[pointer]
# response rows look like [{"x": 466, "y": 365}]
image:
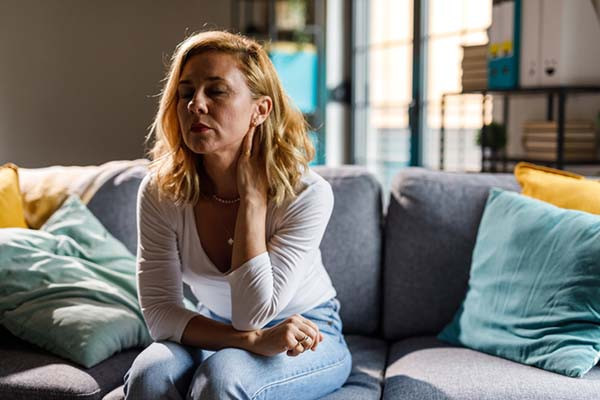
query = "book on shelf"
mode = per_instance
[
  {"x": 566, "y": 39},
  {"x": 549, "y": 155},
  {"x": 552, "y": 146},
  {"x": 475, "y": 52},
  {"x": 474, "y": 74},
  {"x": 552, "y": 136},
  {"x": 552, "y": 126},
  {"x": 478, "y": 64},
  {"x": 474, "y": 84},
  {"x": 540, "y": 140},
  {"x": 474, "y": 68},
  {"x": 504, "y": 44}
]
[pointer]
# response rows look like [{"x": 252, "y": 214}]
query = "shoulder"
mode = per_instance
[
  {"x": 313, "y": 197},
  {"x": 151, "y": 202},
  {"x": 314, "y": 187},
  {"x": 148, "y": 192}
]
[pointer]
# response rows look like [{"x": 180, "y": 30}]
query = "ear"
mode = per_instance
[{"x": 264, "y": 105}]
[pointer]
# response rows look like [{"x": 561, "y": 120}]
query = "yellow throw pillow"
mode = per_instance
[
  {"x": 561, "y": 188},
  {"x": 11, "y": 202},
  {"x": 45, "y": 189}
]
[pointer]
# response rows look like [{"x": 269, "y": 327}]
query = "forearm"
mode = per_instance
[
  {"x": 250, "y": 232},
  {"x": 208, "y": 334}
]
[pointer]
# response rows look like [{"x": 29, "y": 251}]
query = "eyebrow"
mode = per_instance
[{"x": 210, "y": 78}]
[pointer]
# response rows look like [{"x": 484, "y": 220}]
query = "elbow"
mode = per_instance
[
  {"x": 251, "y": 321},
  {"x": 158, "y": 335},
  {"x": 159, "y": 327}
]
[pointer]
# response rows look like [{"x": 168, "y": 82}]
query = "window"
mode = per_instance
[
  {"x": 383, "y": 74},
  {"x": 383, "y": 79},
  {"x": 452, "y": 24}
]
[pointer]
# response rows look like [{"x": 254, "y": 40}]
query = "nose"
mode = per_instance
[{"x": 197, "y": 105}]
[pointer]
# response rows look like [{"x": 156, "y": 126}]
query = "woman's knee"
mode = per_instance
[
  {"x": 163, "y": 370},
  {"x": 221, "y": 376}
]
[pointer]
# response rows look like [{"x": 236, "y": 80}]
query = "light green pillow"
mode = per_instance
[
  {"x": 70, "y": 287},
  {"x": 534, "y": 288}
]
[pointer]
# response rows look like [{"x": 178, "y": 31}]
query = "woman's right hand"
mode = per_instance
[
  {"x": 252, "y": 182},
  {"x": 287, "y": 336}
]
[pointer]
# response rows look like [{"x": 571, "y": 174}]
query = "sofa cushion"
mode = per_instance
[
  {"x": 11, "y": 200},
  {"x": 534, "y": 286},
  {"x": 27, "y": 372},
  {"x": 561, "y": 188},
  {"x": 70, "y": 287},
  {"x": 114, "y": 204},
  {"x": 368, "y": 364},
  {"x": 351, "y": 246},
  {"x": 425, "y": 368},
  {"x": 430, "y": 232}
]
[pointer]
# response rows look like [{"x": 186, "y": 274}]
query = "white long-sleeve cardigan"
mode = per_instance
[{"x": 288, "y": 278}]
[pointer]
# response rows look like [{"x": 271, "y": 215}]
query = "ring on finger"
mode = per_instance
[{"x": 306, "y": 341}]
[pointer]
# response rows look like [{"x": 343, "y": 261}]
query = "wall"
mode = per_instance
[{"x": 79, "y": 79}]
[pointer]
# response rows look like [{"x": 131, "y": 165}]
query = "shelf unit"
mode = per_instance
[
  {"x": 489, "y": 162},
  {"x": 243, "y": 17}
]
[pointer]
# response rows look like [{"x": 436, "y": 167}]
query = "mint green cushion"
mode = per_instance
[
  {"x": 70, "y": 287},
  {"x": 534, "y": 288}
]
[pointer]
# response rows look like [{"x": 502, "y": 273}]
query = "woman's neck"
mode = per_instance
[{"x": 222, "y": 173}]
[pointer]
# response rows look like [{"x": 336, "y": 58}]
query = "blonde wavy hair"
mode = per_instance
[{"x": 283, "y": 135}]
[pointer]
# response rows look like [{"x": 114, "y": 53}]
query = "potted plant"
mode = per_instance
[{"x": 495, "y": 138}]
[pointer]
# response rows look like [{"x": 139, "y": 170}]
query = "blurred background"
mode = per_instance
[{"x": 384, "y": 83}]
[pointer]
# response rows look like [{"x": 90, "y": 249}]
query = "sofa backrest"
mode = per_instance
[
  {"x": 430, "y": 231},
  {"x": 351, "y": 246},
  {"x": 114, "y": 204}
]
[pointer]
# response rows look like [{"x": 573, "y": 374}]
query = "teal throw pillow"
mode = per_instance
[
  {"x": 70, "y": 287},
  {"x": 534, "y": 287}
]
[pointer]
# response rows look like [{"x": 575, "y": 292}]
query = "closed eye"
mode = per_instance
[
  {"x": 185, "y": 94},
  {"x": 216, "y": 92}
]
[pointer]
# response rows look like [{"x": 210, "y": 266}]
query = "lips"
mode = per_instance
[{"x": 199, "y": 127}]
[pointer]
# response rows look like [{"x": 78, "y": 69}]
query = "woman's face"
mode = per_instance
[{"x": 214, "y": 103}]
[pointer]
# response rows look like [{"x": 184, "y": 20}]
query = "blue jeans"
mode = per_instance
[{"x": 168, "y": 370}]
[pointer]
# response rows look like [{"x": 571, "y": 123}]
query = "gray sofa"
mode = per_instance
[{"x": 400, "y": 277}]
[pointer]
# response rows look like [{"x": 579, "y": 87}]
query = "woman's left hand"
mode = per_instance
[
  {"x": 251, "y": 174},
  {"x": 295, "y": 335}
]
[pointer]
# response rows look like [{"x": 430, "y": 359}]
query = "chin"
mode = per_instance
[{"x": 197, "y": 146}]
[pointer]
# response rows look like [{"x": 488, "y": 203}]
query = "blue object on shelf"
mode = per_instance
[
  {"x": 505, "y": 45},
  {"x": 297, "y": 68},
  {"x": 319, "y": 158}
]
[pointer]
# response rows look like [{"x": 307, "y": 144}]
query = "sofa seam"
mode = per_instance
[{"x": 51, "y": 392}]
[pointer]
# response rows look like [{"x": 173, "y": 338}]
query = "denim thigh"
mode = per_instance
[
  {"x": 168, "y": 370},
  {"x": 162, "y": 370},
  {"x": 238, "y": 374}
]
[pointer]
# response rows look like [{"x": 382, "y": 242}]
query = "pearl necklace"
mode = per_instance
[{"x": 225, "y": 201}]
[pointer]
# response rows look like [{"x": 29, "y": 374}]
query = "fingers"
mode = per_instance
[
  {"x": 293, "y": 347},
  {"x": 306, "y": 335},
  {"x": 310, "y": 329},
  {"x": 317, "y": 337},
  {"x": 296, "y": 351},
  {"x": 248, "y": 141}
]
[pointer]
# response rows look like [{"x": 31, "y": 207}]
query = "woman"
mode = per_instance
[{"x": 231, "y": 208}]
